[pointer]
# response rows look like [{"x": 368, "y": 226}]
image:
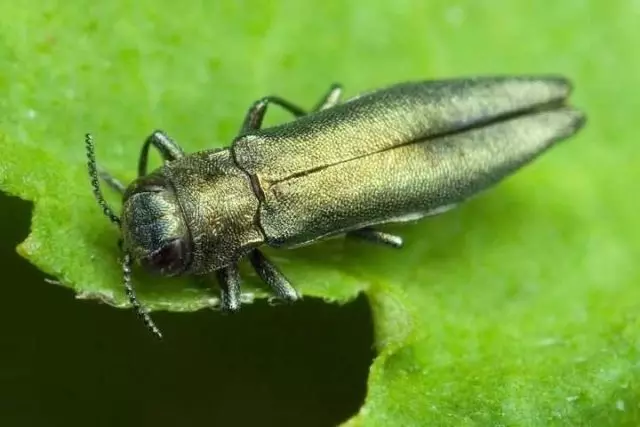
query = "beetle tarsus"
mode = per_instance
[
  {"x": 270, "y": 274},
  {"x": 229, "y": 279},
  {"x": 375, "y": 236},
  {"x": 168, "y": 148}
]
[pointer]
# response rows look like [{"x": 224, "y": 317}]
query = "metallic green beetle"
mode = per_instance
[{"x": 397, "y": 154}]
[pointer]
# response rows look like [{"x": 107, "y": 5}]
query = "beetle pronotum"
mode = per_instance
[{"x": 397, "y": 154}]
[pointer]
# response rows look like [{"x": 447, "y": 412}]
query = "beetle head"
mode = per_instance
[{"x": 154, "y": 231}]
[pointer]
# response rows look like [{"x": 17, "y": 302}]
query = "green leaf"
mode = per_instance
[{"x": 519, "y": 308}]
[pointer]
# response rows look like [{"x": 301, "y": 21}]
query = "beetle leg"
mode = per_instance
[
  {"x": 270, "y": 274},
  {"x": 375, "y": 236},
  {"x": 229, "y": 280},
  {"x": 111, "y": 181},
  {"x": 331, "y": 98},
  {"x": 255, "y": 115},
  {"x": 168, "y": 148}
]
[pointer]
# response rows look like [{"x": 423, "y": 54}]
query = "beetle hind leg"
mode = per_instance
[
  {"x": 270, "y": 274},
  {"x": 375, "y": 236}
]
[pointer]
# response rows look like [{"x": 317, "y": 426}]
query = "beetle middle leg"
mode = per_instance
[
  {"x": 270, "y": 274},
  {"x": 255, "y": 115},
  {"x": 331, "y": 98}
]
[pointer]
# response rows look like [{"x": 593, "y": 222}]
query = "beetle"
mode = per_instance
[{"x": 397, "y": 154}]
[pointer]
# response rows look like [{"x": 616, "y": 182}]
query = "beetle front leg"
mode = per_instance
[
  {"x": 270, "y": 274},
  {"x": 375, "y": 236},
  {"x": 168, "y": 148},
  {"x": 111, "y": 181},
  {"x": 229, "y": 280}
]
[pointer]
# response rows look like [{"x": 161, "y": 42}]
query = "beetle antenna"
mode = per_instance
[
  {"x": 131, "y": 294},
  {"x": 95, "y": 181}
]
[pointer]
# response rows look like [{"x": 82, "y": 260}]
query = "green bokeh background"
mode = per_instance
[{"x": 519, "y": 308}]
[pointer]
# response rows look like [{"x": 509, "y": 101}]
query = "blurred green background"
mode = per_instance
[{"x": 520, "y": 308}]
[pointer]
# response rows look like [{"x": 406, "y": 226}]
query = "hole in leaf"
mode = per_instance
[{"x": 71, "y": 362}]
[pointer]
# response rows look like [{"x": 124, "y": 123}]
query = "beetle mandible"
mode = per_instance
[{"x": 397, "y": 154}]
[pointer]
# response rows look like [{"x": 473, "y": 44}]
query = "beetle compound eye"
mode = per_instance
[{"x": 170, "y": 259}]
